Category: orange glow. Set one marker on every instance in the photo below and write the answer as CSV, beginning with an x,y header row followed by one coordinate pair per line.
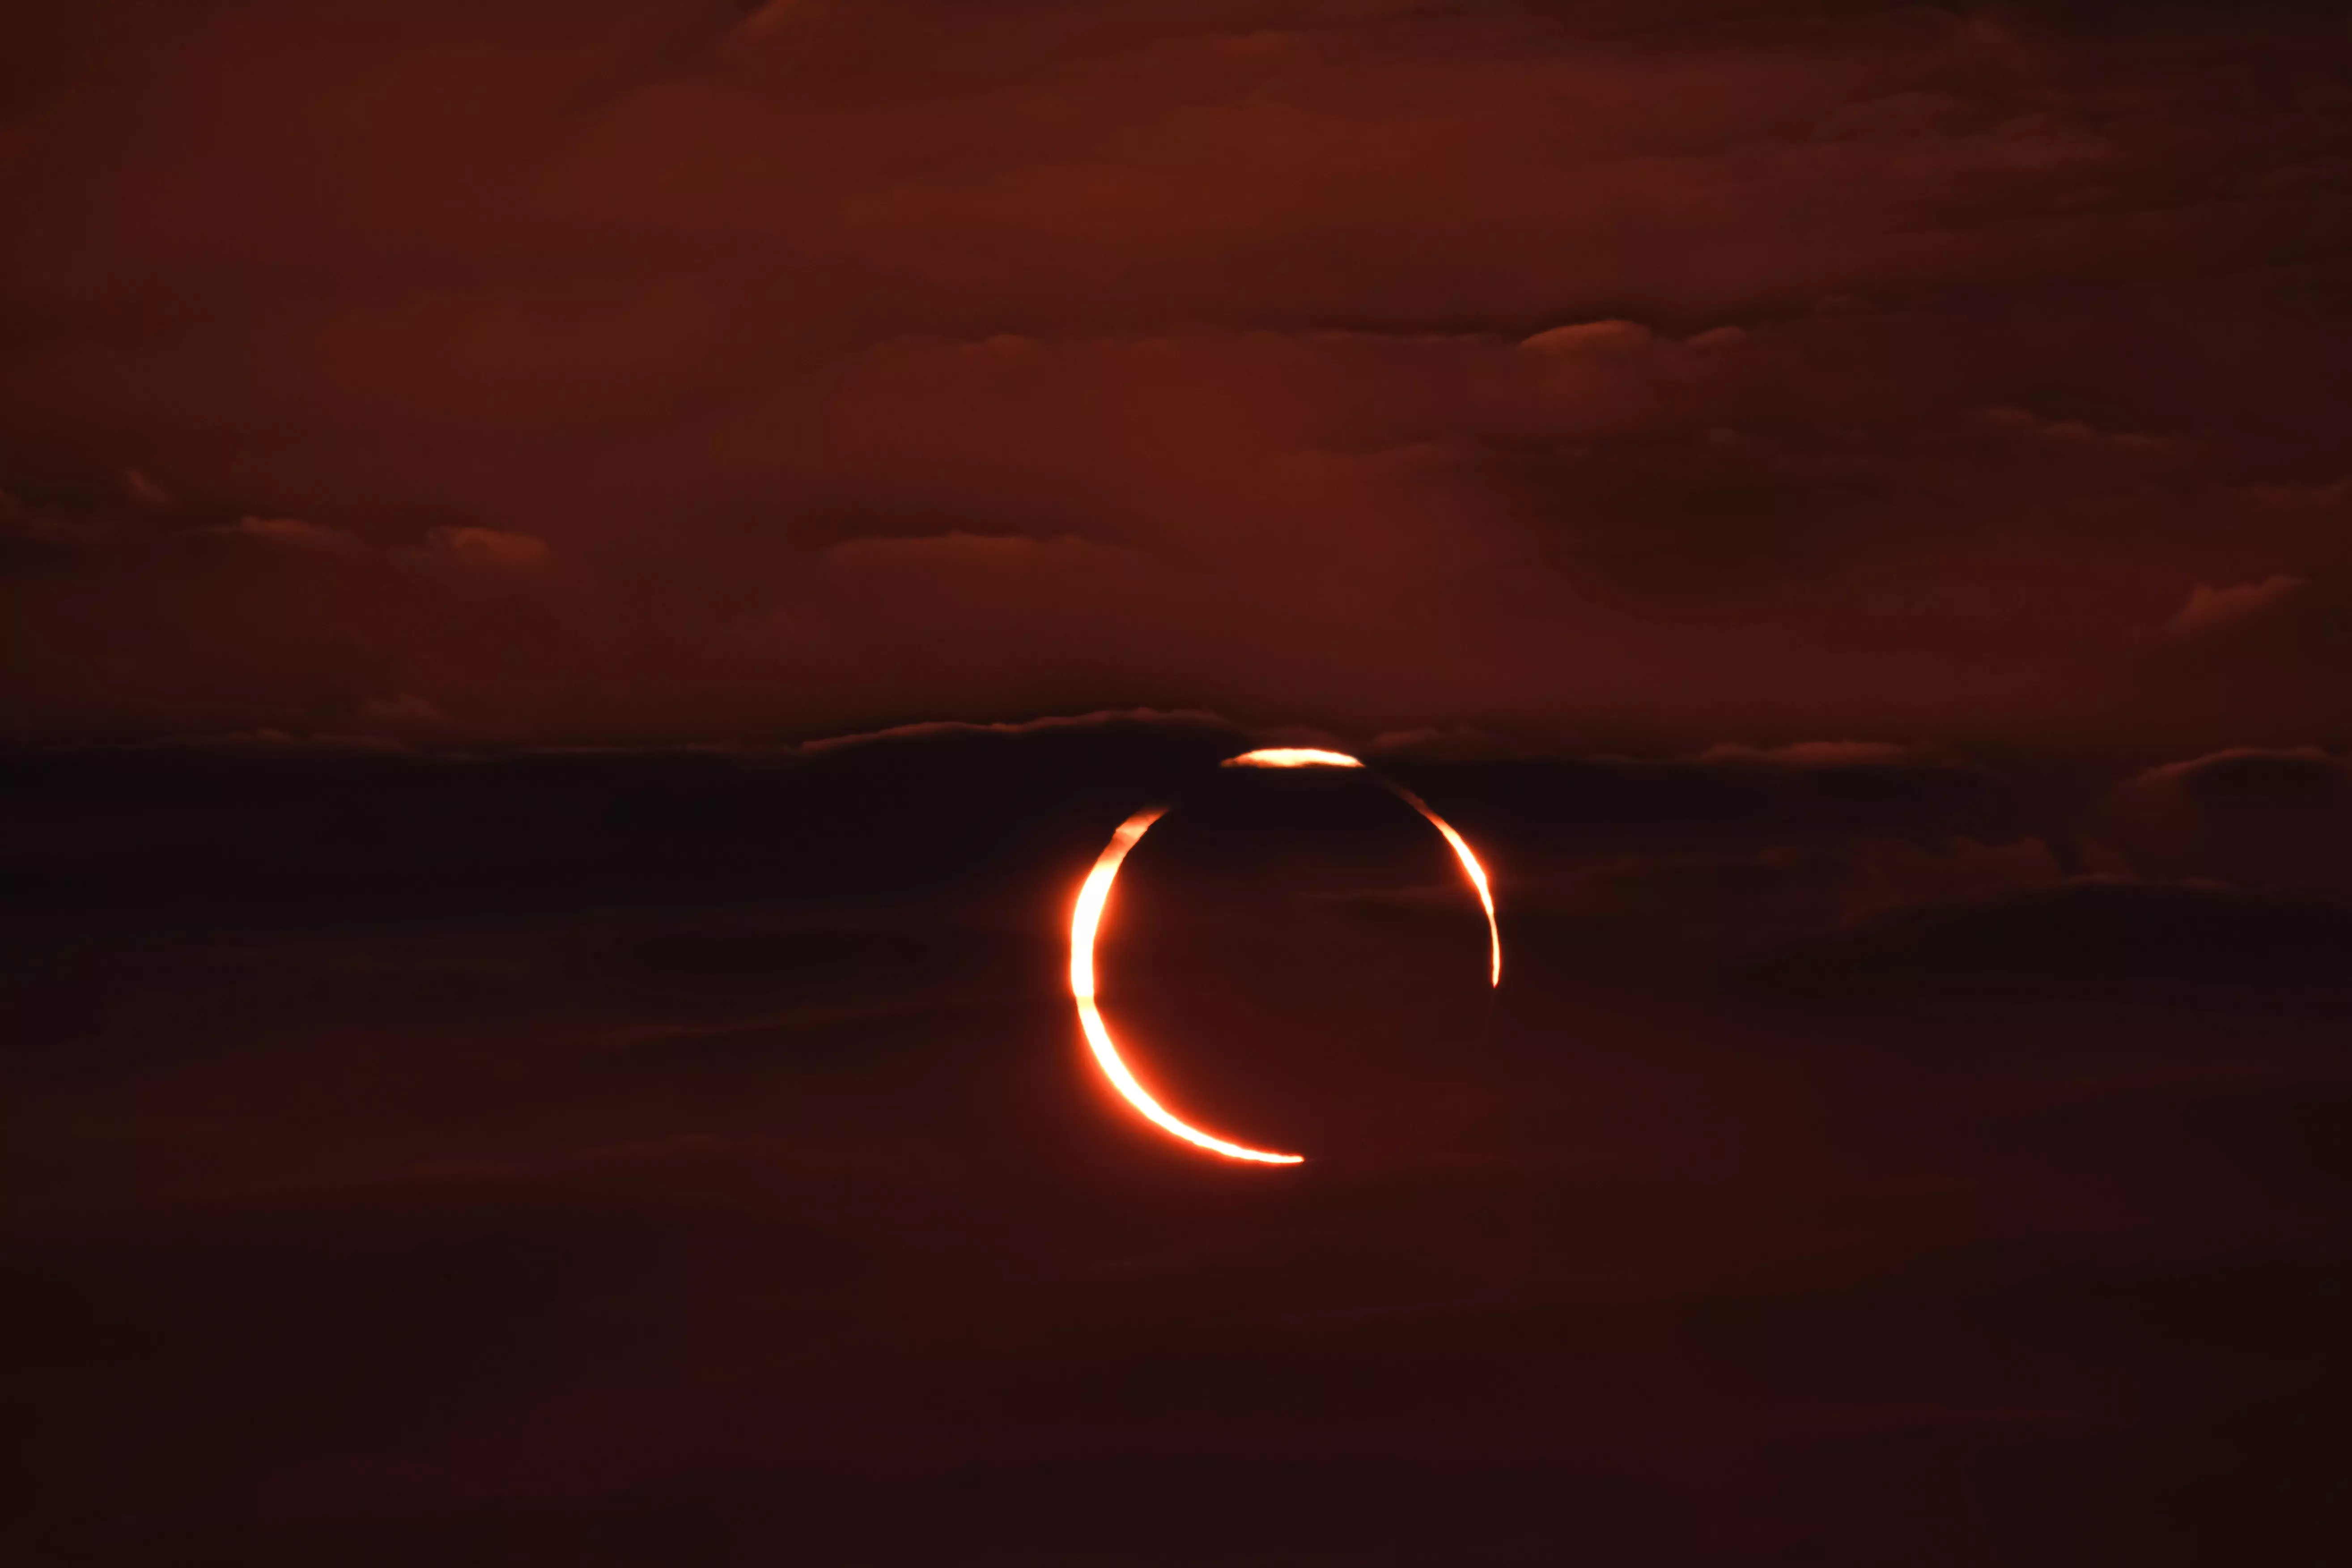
x,y
1478,880
1094,896
1084,922
1291,757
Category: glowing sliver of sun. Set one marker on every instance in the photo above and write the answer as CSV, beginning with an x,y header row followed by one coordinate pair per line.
x,y
1477,874
1291,757
1094,896
1312,757
1084,922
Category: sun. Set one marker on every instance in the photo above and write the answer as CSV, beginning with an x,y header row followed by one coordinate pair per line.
x,y
1093,900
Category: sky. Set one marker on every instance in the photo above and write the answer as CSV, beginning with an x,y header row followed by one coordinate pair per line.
x,y
581,582
625,1156
1676,372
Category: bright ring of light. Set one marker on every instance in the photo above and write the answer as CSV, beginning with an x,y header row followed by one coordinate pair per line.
x,y
1085,920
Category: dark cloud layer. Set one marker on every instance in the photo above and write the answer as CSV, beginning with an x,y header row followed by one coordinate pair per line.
x,y
639,369
624,1157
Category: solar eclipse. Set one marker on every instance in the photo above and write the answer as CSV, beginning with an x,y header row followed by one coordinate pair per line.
x,y
1093,898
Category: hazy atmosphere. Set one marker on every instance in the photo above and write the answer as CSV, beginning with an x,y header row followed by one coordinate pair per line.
x,y
581,584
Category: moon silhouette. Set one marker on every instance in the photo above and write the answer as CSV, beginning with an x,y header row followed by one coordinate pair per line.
x,y
1094,896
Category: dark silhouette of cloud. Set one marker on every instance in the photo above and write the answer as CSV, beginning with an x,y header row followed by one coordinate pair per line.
x,y
2101,928
2279,819
458,1141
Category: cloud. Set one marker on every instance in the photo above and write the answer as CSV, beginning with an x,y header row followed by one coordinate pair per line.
x,y
1450,742
1589,337
2275,818
1891,874
1051,723
292,533
2249,775
267,741
2070,431
1785,894
2212,609
2322,496
1808,755
953,551
1247,303
491,549
2145,933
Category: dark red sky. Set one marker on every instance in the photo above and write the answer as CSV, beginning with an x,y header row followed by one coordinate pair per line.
x,y
633,1157
1848,507
564,369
